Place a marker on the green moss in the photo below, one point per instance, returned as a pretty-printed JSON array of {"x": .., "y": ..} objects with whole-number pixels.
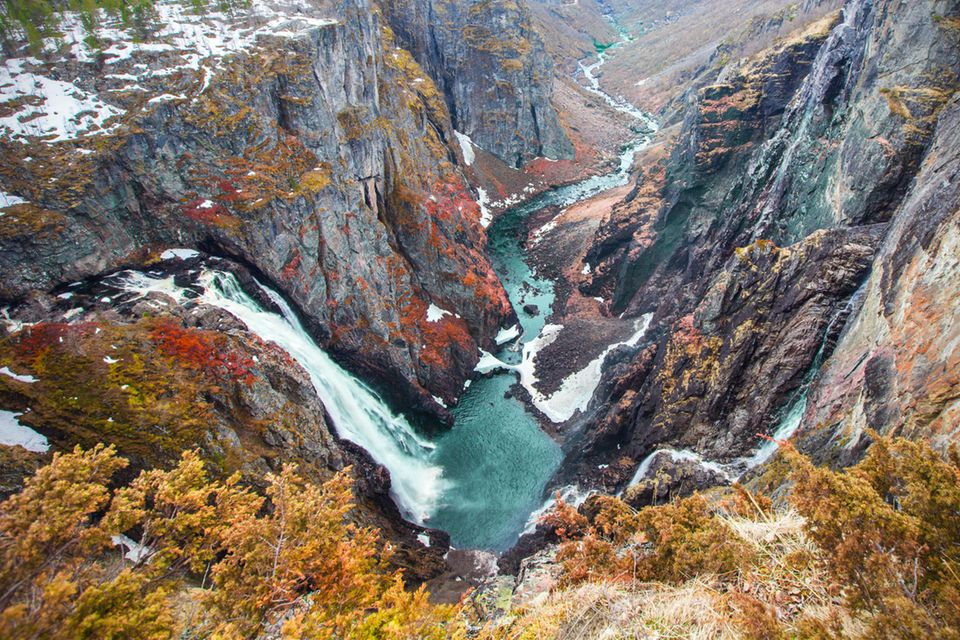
[{"x": 114, "y": 383}]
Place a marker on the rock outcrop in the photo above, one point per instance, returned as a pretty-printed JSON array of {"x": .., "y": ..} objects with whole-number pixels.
[
  {"x": 896, "y": 369},
  {"x": 490, "y": 64},
  {"x": 749, "y": 242},
  {"x": 317, "y": 152}
]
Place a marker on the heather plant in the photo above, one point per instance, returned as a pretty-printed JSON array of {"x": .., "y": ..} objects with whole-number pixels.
[
  {"x": 668, "y": 543},
  {"x": 889, "y": 529},
  {"x": 869, "y": 552},
  {"x": 212, "y": 558}
]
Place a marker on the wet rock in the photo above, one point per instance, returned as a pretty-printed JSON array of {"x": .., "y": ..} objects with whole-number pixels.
[
  {"x": 531, "y": 309},
  {"x": 896, "y": 367},
  {"x": 669, "y": 479}
]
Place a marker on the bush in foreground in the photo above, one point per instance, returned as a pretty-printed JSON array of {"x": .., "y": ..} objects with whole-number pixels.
[
  {"x": 871, "y": 552},
  {"x": 213, "y": 559}
]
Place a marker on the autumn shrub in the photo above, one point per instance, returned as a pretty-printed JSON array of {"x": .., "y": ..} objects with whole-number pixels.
[
  {"x": 869, "y": 552},
  {"x": 211, "y": 558},
  {"x": 668, "y": 543},
  {"x": 890, "y": 530}
]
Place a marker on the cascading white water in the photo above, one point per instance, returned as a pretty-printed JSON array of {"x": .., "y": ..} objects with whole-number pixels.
[{"x": 358, "y": 413}]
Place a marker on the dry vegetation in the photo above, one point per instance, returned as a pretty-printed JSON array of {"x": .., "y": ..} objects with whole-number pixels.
[
  {"x": 866, "y": 553},
  {"x": 870, "y": 552}
]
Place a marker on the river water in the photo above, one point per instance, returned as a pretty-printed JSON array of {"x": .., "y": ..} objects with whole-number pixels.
[{"x": 496, "y": 459}]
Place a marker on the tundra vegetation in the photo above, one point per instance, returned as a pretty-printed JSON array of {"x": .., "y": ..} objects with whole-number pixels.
[{"x": 867, "y": 552}]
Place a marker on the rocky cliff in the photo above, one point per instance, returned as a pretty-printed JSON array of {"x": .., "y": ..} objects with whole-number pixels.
[
  {"x": 764, "y": 221},
  {"x": 302, "y": 141},
  {"x": 490, "y": 64},
  {"x": 896, "y": 368}
]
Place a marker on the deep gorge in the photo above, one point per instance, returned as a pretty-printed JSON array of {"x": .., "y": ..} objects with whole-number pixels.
[{"x": 674, "y": 263}]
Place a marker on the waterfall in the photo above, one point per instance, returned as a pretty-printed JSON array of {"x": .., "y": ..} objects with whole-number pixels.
[{"x": 358, "y": 413}]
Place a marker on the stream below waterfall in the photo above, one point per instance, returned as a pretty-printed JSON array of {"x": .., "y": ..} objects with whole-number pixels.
[{"x": 496, "y": 458}]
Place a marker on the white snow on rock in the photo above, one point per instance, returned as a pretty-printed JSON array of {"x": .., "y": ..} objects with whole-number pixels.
[
  {"x": 586, "y": 269},
  {"x": 485, "y": 216},
  {"x": 540, "y": 233},
  {"x": 466, "y": 145},
  {"x": 424, "y": 539},
  {"x": 435, "y": 313},
  {"x": 439, "y": 401},
  {"x": 8, "y": 200},
  {"x": 577, "y": 389},
  {"x": 19, "y": 378},
  {"x": 506, "y": 335},
  {"x": 135, "y": 551},
  {"x": 13, "y": 433},
  {"x": 166, "y": 97},
  {"x": 489, "y": 363},
  {"x": 182, "y": 254},
  {"x": 41, "y": 104},
  {"x": 48, "y": 108}
]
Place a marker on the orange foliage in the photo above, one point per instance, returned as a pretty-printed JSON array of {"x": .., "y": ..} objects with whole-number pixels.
[
  {"x": 199, "y": 350},
  {"x": 213, "y": 560}
]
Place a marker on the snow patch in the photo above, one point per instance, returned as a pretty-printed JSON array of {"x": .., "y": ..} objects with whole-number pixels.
[
  {"x": 48, "y": 108},
  {"x": 577, "y": 389},
  {"x": 166, "y": 97},
  {"x": 485, "y": 216},
  {"x": 489, "y": 363},
  {"x": 506, "y": 335},
  {"x": 8, "y": 200},
  {"x": 56, "y": 110},
  {"x": 466, "y": 146},
  {"x": 182, "y": 254},
  {"x": 135, "y": 551},
  {"x": 13, "y": 433},
  {"x": 19, "y": 378},
  {"x": 539, "y": 234},
  {"x": 424, "y": 539},
  {"x": 435, "y": 313}
]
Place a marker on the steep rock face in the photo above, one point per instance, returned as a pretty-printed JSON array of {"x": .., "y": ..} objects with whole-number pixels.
[
  {"x": 727, "y": 243},
  {"x": 722, "y": 373},
  {"x": 897, "y": 367},
  {"x": 492, "y": 68},
  {"x": 319, "y": 156}
]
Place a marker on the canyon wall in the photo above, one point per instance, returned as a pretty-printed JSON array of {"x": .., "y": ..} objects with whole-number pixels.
[
  {"x": 318, "y": 152},
  {"x": 490, "y": 64},
  {"x": 750, "y": 240}
]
